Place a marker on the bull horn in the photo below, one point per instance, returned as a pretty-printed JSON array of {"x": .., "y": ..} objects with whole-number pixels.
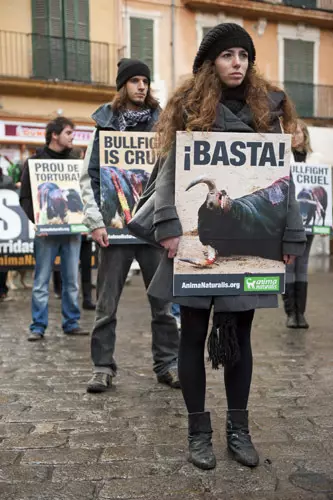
[{"x": 202, "y": 180}]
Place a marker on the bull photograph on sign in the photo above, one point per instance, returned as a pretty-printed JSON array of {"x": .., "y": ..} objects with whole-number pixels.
[
  {"x": 126, "y": 162},
  {"x": 58, "y": 207},
  {"x": 232, "y": 200},
  {"x": 313, "y": 184}
]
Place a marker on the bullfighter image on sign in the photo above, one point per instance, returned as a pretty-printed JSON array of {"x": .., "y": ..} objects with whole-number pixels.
[
  {"x": 313, "y": 185},
  {"x": 232, "y": 199},
  {"x": 126, "y": 160},
  {"x": 57, "y": 202}
]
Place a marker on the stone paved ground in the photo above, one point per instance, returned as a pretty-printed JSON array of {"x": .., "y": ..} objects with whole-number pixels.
[{"x": 59, "y": 443}]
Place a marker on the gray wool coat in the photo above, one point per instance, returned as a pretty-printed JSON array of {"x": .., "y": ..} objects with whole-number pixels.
[{"x": 167, "y": 223}]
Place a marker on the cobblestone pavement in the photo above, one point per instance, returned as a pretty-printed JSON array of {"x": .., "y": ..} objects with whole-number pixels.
[{"x": 59, "y": 443}]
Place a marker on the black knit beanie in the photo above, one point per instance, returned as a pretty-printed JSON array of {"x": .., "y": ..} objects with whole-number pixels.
[
  {"x": 223, "y": 37},
  {"x": 127, "y": 68}
]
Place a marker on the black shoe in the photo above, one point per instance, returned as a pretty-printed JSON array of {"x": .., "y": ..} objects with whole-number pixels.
[
  {"x": 301, "y": 321},
  {"x": 292, "y": 321},
  {"x": 77, "y": 331},
  {"x": 239, "y": 439},
  {"x": 99, "y": 382},
  {"x": 170, "y": 378},
  {"x": 200, "y": 441},
  {"x": 89, "y": 305}
]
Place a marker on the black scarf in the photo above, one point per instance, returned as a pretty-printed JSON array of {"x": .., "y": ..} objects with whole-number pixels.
[{"x": 300, "y": 156}]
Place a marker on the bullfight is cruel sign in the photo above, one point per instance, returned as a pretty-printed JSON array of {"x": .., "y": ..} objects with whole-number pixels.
[
  {"x": 58, "y": 207},
  {"x": 126, "y": 162},
  {"x": 313, "y": 185},
  {"x": 232, "y": 194}
]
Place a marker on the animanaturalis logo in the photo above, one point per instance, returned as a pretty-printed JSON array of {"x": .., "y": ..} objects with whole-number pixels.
[{"x": 262, "y": 284}]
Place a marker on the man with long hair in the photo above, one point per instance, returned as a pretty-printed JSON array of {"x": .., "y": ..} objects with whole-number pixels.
[
  {"x": 59, "y": 140},
  {"x": 224, "y": 94},
  {"x": 133, "y": 109}
]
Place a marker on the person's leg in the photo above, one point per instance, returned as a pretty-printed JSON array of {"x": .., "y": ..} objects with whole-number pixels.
[
  {"x": 113, "y": 266},
  {"x": 192, "y": 375},
  {"x": 289, "y": 295},
  {"x": 85, "y": 259},
  {"x": 3, "y": 286},
  {"x": 237, "y": 379},
  {"x": 57, "y": 284},
  {"x": 70, "y": 254},
  {"x": 45, "y": 249},
  {"x": 165, "y": 335},
  {"x": 301, "y": 283}
]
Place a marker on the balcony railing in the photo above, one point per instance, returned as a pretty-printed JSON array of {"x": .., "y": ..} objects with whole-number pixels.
[
  {"x": 303, "y": 4},
  {"x": 29, "y": 55},
  {"x": 311, "y": 101}
]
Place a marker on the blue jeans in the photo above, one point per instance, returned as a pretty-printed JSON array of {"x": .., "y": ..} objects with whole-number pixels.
[
  {"x": 46, "y": 250},
  {"x": 175, "y": 310}
]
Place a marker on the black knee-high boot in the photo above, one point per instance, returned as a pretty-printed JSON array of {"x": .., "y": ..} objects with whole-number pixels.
[
  {"x": 239, "y": 439},
  {"x": 290, "y": 305},
  {"x": 200, "y": 440},
  {"x": 301, "y": 291}
]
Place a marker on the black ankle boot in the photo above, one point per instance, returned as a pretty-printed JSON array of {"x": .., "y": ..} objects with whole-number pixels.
[
  {"x": 239, "y": 439},
  {"x": 200, "y": 440}
]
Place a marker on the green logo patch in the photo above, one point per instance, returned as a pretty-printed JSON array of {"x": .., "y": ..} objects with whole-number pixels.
[
  {"x": 321, "y": 230},
  {"x": 79, "y": 228},
  {"x": 262, "y": 284}
]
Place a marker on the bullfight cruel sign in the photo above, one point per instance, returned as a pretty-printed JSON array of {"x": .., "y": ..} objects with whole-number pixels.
[
  {"x": 126, "y": 162},
  {"x": 232, "y": 196},
  {"x": 58, "y": 207},
  {"x": 313, "y": 186}
]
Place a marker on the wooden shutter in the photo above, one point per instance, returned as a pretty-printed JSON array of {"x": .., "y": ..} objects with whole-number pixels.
[
  {"x": 47, "y": 43},
  {"x": 76, "y": 23},
  {"x": 298, "y": 74},
  {"x": 142, "y": 41}
]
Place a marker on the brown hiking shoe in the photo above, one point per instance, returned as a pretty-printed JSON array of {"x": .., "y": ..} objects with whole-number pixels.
[
  {"x": 170, "y": 378},
  {"x": 99, "y": 382}
]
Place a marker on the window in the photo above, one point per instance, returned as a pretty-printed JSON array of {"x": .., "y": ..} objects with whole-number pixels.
[
  {"x": 299, "y": 73},
  {"x": 205, "y": 22},
  {"x": 142, "y": 41},
  {"x": 60, "y": 39}
]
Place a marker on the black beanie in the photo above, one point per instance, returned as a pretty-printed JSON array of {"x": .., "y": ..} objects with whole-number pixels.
[
  {"x": 223, "y": 37},
  {"x": 127, "y": 68}
]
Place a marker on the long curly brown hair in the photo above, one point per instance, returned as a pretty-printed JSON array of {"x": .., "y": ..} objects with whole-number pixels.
[{"x": 193, "y": 105}]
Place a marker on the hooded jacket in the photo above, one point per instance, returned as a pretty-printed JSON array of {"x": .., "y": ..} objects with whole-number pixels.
[
  {"x": 167, "y": 223},
  {"x": 105, "y": 119}
]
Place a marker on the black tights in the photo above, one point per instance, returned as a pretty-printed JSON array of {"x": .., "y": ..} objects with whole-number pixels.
[{"x": 191, "y": 361}]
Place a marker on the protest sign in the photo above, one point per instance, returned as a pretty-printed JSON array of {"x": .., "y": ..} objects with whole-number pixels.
[
  {"x": 126, "y": 162},
  {"x": 232, "y": 199},
  {"x": 58, "y": 207},
  {"x": 313, "y": 186},
  {"x": 16, "y": 233}
]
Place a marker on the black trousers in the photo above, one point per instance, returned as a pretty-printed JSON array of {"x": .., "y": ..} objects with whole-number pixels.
[{"x": 191, "y": 361}]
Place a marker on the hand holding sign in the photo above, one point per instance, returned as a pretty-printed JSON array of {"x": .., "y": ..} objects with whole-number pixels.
[{"x": 100, "y": 235}]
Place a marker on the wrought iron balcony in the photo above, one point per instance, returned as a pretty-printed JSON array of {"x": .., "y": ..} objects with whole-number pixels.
[
  {"x": 311, "y": 101},
  {"x": 40, "y": 57}
]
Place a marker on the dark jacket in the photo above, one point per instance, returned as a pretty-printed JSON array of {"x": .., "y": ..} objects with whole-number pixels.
[
  {"x": 105, "y": 119},
  {"x": 44, "y": 153},
  {"x": 168, "y": 225}
]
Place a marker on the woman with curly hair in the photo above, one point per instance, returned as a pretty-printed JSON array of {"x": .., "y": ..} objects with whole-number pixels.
[{"x": 224, "y": 94}]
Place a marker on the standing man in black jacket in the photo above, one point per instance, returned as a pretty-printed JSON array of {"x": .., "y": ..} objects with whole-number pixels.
[
  {"x": 59, "y": 139},
  {"x": 135, "y": 110}
]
